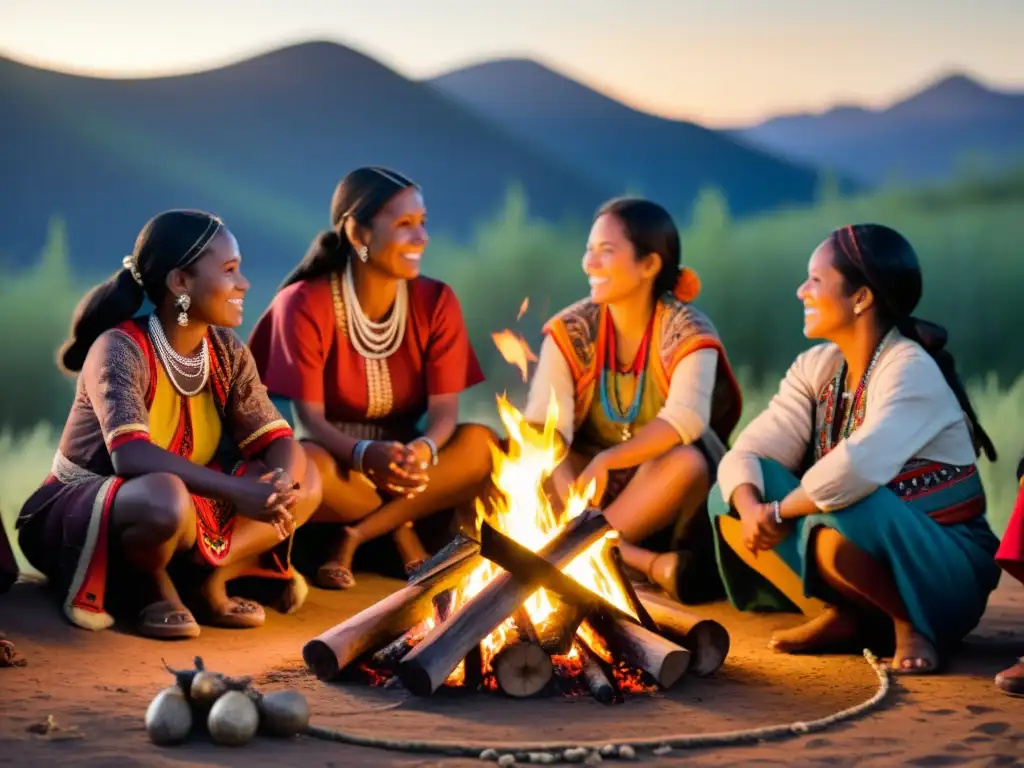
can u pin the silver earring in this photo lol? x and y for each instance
(363, 252)
(183, 302)
(857, 311)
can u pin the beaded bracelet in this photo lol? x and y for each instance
(431, 445)
(358, 453)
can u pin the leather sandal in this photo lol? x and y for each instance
(334, 576)
(164, 620)
(1011, 681)
(240, 614)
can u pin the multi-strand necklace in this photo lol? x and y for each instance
(374, 341)
(195, 368)
(853, 402)
(613, 409)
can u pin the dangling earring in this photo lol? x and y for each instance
(363, 252)
(183, 302)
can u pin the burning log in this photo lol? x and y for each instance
(599, 684)
(659, 657)
(381, 623)
(555, 633)
(706, 639)
(522, 669)
(427, 666)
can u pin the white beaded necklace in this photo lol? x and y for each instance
(373, 340)
(197, 366)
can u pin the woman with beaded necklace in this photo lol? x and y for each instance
(364, 347)
(174, 468)
(646, 396)
(855, 496)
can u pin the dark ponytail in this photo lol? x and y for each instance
(111, 302)
(170, 240)
(881, 259)
(360, 197)
(329, 252)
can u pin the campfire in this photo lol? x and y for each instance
(537, 602)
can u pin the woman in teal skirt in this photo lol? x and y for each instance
(855, 495)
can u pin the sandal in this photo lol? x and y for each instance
(241, 614)
(164, 620)
(1011, 681)
(921, 651)
(334, 576)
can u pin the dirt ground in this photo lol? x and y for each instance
(97, 686)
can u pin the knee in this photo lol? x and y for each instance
(168, 506)
(686, 464)
(312, 486)
(319, 460)
(477, 440)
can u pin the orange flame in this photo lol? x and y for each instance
(524, 513)
(515, 350)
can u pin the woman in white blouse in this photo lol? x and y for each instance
(644, 393)
(855, 495)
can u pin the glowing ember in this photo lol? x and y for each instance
(522, 309)
(515, 350)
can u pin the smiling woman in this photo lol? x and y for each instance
(364, 347)
(173, 459)
(646, 396)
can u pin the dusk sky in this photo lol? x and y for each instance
(718, 62)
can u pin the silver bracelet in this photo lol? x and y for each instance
(777, 512)
(431, 445)
(357, 454)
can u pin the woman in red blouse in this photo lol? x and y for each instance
(364, 346)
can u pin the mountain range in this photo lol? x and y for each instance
(264, 141)
(926, 137)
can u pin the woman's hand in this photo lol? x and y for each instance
(761, 531)
(597, 472)
(267, 500)
(390, 468)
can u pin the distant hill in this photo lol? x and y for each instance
(262, 142)
(668, 160)
(922, 138)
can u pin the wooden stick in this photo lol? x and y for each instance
(600, 685)
(379, 624)
(634, 601)
(522, 669)
(662, 659)
(555, 633)
(425, 668)
(706, 639)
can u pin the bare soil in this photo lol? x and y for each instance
(96, 686)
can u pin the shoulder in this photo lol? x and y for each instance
(682, 320)
(122, 348)
(231, 350)
(430, 293)
(906, 365)
(581, 316)
(814, 368)
(305, 294)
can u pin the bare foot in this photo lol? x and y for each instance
(834, 629)
(229, 612)
(915, 654)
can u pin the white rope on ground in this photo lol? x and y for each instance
(551, 751)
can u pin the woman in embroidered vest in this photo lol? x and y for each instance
(174, 468)
(364, 346)
(887, 520)
(644, 394)
(1010, 557)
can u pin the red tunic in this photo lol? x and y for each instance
(1010, 555)
(303, 352)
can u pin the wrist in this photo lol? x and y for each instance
(359, 455)
(776, 512)
(429, 446)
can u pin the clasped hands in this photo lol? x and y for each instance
(761, 532)
(269, 499)
(398, 469)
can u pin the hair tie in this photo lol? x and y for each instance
(687, 286)
(128, 262)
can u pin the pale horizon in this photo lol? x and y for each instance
(717, 63)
